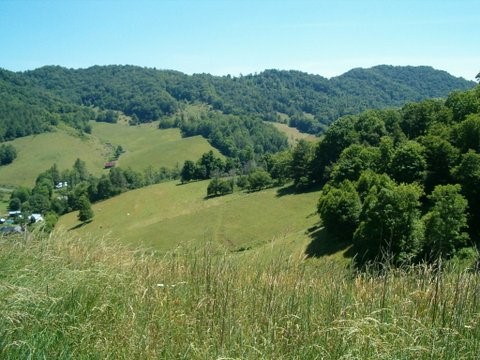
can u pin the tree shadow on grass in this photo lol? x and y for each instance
(323, 244)
(293, 190)
(78, 226)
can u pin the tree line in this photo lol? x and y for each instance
(403, 183)
(399, 184)
(58, 192)
(33, 102)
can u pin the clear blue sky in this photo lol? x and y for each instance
(242, 36)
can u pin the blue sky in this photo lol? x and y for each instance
(242, 36)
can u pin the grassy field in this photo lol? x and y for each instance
(293, 134)
(37, 153)
(168, 215)
(146, 145)
(68, 297)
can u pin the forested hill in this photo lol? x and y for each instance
(309, 102)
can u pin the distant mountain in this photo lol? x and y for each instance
(34, 101)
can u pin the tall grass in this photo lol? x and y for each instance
(68, 298)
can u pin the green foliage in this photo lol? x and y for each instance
(441, 156)
(446, 222)
(15, 204)
(37, 100)
(8, 153)
(219, 187)
(85, 212)
(390, 226)
(300, 167)
(353, 161)
(279, 166)
(466, 134)
(339, 208)
(188, 171)
(467, 173)
(235, 136)
(417, 118)
(463, 103)
(258, 180)
(206, 167)
(408, 163)
(108, 116)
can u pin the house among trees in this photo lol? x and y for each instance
(13, 214)
(61, 185)
(109, 164)
(35, 218)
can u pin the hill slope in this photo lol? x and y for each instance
(167, 215)
(144, 146)
(150, 94)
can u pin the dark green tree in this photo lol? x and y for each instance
(218, 187)
(188, 171)
(339, 208)
(390, 224)
(259, 179)
(301, 164)
(441, 157)
(446, 222)
(15, 204)
(8, 153)
(353, 160)
(85, 212)
(466, 134)
(408, 163)
(467, 174)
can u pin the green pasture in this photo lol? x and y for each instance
(146, 145)
(168, 215)
(37, 153)
(293, 134)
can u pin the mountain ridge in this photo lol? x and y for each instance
(308, 102)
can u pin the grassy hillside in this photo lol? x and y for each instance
(146, 145)
(167, 215)
(294, 134)
(37, 153)
(63, 297)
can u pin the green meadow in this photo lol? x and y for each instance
(144, 145)
(37, 153)
(293, 134)
(168, 215)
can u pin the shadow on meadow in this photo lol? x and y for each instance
(80, 225)
(323, 244)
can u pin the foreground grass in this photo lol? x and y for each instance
(62, 297)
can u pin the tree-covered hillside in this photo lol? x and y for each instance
(400, 183)
(27, 109)
(311, 102)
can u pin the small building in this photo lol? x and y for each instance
(35, 218)
(14, 214)
(109, 164)
(61, 185)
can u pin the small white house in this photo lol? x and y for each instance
(34, 218)
(61, 185)
(14, 213)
